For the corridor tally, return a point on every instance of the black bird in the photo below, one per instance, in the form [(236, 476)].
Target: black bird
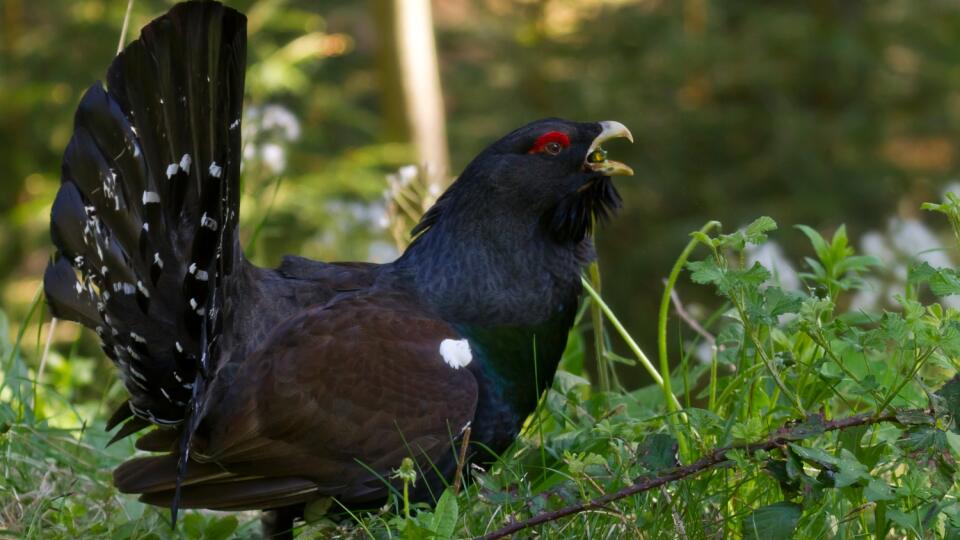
[(274, 387)]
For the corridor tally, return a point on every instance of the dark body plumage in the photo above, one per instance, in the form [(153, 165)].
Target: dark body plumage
[(275, 387)]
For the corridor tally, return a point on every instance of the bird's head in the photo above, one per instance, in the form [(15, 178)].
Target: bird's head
[(551, 173)]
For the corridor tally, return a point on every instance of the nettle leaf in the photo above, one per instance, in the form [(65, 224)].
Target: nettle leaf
[(927, 440), (757, 231), (772, 522), (754, 233), (706, 272), (772, 302), (942, 281), (755, 276)]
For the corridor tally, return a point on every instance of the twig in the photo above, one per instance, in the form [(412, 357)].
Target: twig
[(713, 459), (462, 459), (687, 318)]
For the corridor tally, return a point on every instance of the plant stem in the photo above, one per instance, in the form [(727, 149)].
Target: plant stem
[(672, 405), (596, 317), (641, 357)]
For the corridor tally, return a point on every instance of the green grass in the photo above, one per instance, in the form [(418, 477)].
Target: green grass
[(784, 362)]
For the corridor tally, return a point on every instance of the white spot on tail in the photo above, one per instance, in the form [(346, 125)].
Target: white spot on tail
[(235, 124), (215, 170), (185, 162), (456, 352), (157, 260), (151, 197), (146, 227), (143, 289), (172, 170), (138, 338), (202, 275), (124, 287), (208, 222)]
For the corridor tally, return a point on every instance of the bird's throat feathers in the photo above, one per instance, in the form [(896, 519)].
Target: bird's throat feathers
[(493, 270)]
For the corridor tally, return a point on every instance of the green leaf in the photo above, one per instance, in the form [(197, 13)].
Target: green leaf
[(706, 272), (949, 399), (773, 522), (756, 231), (220, 528), (658, 452), (317, 510), (819, 244), (850, 471), (755, 276), (942, 281), (445, 515), (878, 490), (814, 455)]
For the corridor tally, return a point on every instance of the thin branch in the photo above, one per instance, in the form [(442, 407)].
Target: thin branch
[(717, 458), (689, 319)]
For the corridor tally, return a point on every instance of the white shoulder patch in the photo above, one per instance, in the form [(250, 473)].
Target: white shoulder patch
[(456, 352)]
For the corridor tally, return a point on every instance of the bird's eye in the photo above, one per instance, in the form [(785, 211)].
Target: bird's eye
[(552, 142)]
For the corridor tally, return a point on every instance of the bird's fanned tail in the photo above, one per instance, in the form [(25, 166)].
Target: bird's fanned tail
[(145, 218)]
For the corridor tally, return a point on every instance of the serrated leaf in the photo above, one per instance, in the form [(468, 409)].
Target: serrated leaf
[(445, 515), (773, 522), (942, 281), (706, 272), (756, 231), (755, 275)]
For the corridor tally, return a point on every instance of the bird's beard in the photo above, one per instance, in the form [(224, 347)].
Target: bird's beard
[(574, 216)]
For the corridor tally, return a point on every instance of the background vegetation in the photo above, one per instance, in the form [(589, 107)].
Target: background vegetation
[(822, 113)]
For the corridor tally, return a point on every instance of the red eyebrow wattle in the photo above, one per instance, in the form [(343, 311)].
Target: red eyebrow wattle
[(550, 137)]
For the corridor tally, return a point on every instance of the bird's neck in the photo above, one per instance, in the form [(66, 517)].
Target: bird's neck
[(486, 273)]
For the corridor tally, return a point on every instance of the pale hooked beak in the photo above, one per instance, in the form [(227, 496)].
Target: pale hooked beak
[(596, 159)]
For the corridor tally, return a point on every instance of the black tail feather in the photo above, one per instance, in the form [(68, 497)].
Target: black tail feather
[(145, 219)]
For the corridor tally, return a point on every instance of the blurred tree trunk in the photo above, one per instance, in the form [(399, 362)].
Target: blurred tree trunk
[(410, 82)]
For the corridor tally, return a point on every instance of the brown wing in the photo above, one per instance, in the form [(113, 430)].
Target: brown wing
[(334, 393)]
